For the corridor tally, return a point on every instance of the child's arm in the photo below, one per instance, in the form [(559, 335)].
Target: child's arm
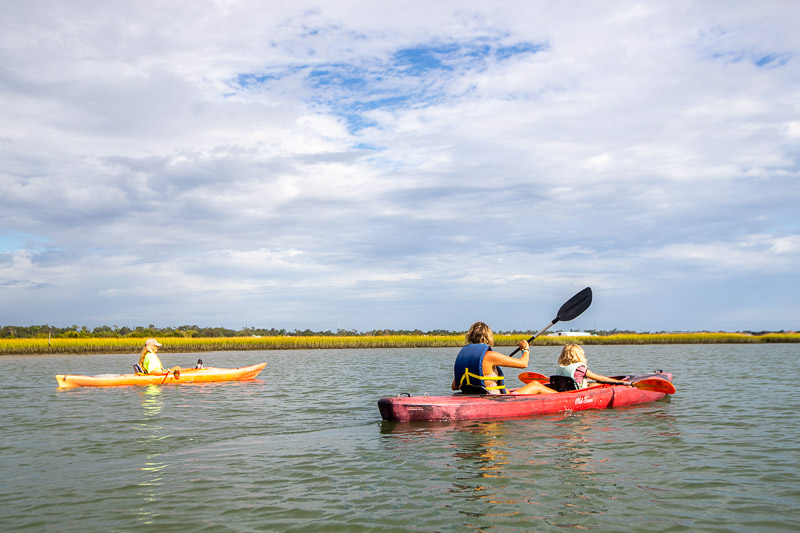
[(599, 377)]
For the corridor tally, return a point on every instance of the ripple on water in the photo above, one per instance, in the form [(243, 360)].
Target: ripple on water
[(281, 455)]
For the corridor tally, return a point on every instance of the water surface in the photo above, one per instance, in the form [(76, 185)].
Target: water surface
[(304, 448)]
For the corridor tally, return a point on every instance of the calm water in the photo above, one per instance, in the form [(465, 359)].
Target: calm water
[(304, 448)]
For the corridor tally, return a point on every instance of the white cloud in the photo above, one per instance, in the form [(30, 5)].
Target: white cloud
[(312, 154), (760, 254)]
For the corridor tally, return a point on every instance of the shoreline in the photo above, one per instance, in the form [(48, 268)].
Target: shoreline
[(99, 345)]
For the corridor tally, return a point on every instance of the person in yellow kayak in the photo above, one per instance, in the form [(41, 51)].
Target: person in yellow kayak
[(477, 367), (151, 364)]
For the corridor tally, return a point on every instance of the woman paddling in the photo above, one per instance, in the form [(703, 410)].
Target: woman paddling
[(477, 368), (149, 361)]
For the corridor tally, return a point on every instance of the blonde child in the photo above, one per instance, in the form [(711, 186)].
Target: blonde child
[(572, 363)]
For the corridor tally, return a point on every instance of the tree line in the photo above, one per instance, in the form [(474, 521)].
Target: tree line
[(74, 331)]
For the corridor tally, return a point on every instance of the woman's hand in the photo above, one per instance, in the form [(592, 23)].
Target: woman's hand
[(523, 346)]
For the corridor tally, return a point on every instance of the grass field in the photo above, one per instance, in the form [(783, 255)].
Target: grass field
[(178, 344)]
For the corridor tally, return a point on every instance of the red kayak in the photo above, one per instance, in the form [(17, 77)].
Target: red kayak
[(471, 406)]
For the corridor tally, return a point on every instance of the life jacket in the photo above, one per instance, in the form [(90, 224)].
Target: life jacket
[(468, 371), (576, 371), (152, 363)]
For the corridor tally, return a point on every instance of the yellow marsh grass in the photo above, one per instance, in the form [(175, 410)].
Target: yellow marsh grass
[(180, 344)]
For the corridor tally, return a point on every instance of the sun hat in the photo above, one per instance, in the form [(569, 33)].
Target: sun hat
[(154, 342)]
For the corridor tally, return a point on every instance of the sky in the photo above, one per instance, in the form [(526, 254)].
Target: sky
[(368, 165)]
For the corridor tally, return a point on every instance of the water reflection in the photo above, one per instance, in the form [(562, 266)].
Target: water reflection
[(152, 403), (574, 440), (535, 469), (482, 450), (482, 457), (150, 488)]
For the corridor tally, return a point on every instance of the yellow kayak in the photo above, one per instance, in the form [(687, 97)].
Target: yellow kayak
[(188, 375)]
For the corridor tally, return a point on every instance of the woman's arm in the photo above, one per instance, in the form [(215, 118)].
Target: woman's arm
[(493, 358)]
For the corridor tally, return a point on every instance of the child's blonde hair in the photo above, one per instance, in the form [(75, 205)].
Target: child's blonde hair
[(572, 353), (480, 333)]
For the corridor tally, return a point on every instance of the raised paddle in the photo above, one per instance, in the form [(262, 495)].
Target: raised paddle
[(649, 384), (572, 308)]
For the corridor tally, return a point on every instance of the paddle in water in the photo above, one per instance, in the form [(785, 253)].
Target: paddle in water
[(572, 308), (176, 372), (648, 384)]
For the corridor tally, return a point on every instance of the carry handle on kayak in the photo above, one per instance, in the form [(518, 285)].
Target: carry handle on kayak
[(572, 308)]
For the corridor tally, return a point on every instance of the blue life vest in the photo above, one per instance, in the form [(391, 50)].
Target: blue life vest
[(468, 370)]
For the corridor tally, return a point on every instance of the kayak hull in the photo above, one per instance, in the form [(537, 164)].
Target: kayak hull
[(189, 375), (472, 407)]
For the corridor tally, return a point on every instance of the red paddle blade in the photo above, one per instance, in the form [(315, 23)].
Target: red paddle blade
[(527, 377), (655, 385)]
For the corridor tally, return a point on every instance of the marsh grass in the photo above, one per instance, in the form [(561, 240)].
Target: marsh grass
[(178, 344)]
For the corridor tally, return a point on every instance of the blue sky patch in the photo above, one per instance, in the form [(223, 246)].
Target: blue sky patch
[(761, 60), (506, 52), (775, 59), (405, 79), (14, 241), (420, 60)]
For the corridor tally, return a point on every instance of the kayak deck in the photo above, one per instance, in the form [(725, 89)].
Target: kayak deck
[(461, 406), (188, 375)]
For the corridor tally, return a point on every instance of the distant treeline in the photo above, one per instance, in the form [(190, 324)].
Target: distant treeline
[(194, 331), (76, 332)]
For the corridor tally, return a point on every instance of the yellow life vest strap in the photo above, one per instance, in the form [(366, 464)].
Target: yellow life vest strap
[(468, 374)]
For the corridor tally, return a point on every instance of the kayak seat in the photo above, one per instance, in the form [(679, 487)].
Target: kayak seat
[(137, 369), (562, 383), (473, 389)]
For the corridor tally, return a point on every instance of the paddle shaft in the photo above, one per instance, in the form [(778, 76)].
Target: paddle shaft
[(548, 326), (614, 383), (648, 384), (572, 308)]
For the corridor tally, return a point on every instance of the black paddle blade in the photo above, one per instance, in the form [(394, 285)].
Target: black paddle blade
[(575, 306)]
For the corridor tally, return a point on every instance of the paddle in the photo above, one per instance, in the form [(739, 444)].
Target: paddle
[(649, 384), (527, 377), (572, 308), (175, 372)]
